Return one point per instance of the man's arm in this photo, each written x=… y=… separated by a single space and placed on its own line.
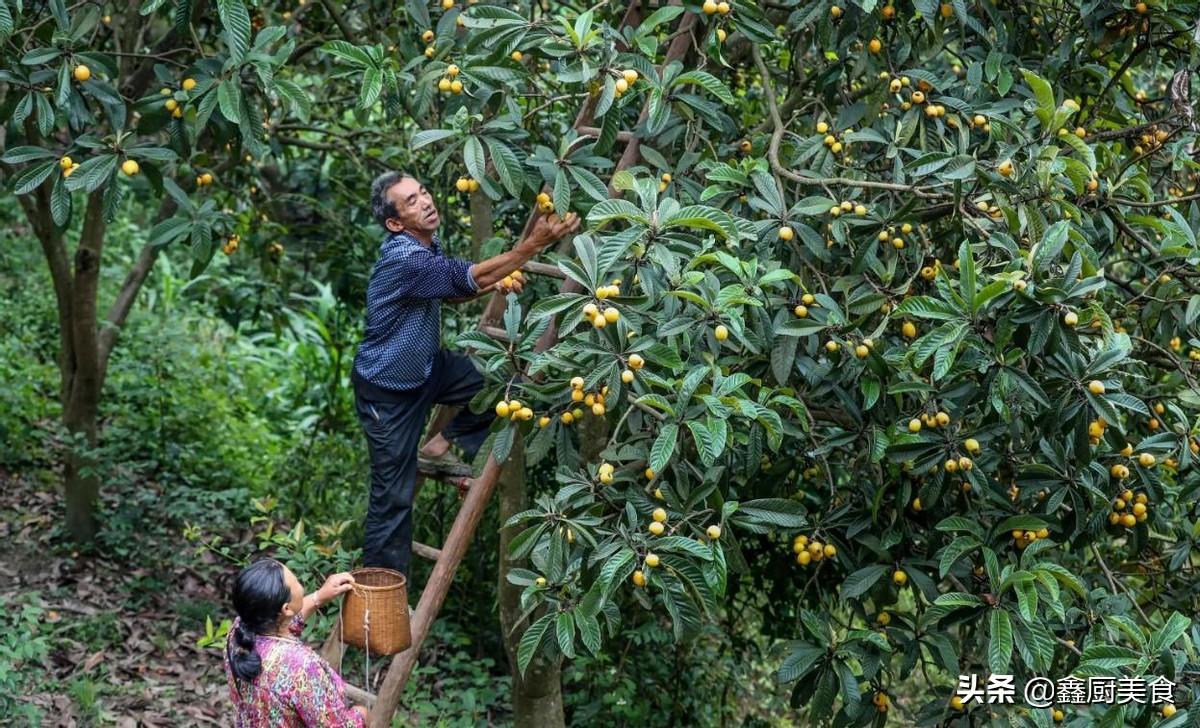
x=547 y=230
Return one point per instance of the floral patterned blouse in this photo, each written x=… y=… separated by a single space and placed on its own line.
x=297 y=688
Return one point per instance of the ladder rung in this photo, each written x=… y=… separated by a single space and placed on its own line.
x=425 y=551
x=622 y=136
x=495 y=332
x=360 y=696
x=543 y=269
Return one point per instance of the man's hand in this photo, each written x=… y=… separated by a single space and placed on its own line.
x=498 y=272
x=549 y=229
x=334 y=585
x=511 y=283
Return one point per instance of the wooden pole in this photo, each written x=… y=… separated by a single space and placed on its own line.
x=435 y=591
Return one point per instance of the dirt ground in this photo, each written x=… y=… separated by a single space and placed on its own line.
x=122 y=637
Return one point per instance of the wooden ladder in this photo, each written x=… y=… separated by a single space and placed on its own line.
x=478 y=491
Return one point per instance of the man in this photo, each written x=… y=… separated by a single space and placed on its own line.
x=401 y=370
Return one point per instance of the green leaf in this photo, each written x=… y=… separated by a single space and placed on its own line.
x=781 y=512
x=702 y=217
x=531 y=640
x=861 y=581
x=1000 y=641
x=229 y=97
x=664 y=447
x=927 y=307
x=1176 y=625
x=236 y=20
x=429 y=136
x=28 y=179
x=799 y=662
x=372 y=87
x=800 y=327
x=93 y=173
x=60 y=202
x=589 y=631
x=682 y=544
x=20 y=155
x=1043 y=93
x=1051 y=245
x=508 y=166
x=168 y=231
x=1020 y=522
x=958 y=599
x=349 y=53
x=565 y=630
x=957 y=548
x=473 y=158
x=1082 y=149
x=708 y=82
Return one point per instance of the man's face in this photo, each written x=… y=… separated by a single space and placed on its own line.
x=415 y=212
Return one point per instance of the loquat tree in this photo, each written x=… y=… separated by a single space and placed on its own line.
x=887 y=326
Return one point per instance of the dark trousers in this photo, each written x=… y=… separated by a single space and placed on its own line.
x=393 y=430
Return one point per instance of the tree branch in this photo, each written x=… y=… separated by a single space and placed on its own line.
x=777 y=136
x=342 y=25
x=119 y=311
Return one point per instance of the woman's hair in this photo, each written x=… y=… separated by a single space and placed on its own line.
x=258 y=596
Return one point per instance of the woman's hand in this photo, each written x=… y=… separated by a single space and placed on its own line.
x=335 y=585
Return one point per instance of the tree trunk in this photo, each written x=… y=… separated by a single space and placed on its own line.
x=80 y=482
x=536 y=695
x=481 y=222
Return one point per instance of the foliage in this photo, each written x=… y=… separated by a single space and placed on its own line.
x=910 y=280
x=22 y=643
x=767 y=283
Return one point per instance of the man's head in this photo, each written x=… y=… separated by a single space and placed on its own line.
x=401 y=203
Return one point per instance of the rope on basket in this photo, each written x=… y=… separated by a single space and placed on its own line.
x=366 y=635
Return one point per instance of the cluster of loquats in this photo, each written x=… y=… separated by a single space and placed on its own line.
x=514 y=410
x=449 y=84
x=658 y=522
x=635 y=362
x=601 y=315
x=938 y=419
x=836 y=146
x=893 y=236
x=1021 y=539
x=205 y=179
x=625 y=81
x=710 y=7
x=664 y=181
x=848 y=206
x=466 y=184
x=172 y=104
x=810 y=550
x=68 y=166
x=544 y=203
x=800 y=309
x=231 y=245
x=929 y=272
x=881 y=701
x=1129 y=509
x=593 y=400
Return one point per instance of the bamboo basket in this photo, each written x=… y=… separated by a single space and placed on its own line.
x=375 y=612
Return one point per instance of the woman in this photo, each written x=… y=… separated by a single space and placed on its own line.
x=275 y=680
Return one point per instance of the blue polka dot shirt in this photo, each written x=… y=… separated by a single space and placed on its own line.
x=404 y=311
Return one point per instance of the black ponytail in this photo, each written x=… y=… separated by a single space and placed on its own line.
x=258 y=596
